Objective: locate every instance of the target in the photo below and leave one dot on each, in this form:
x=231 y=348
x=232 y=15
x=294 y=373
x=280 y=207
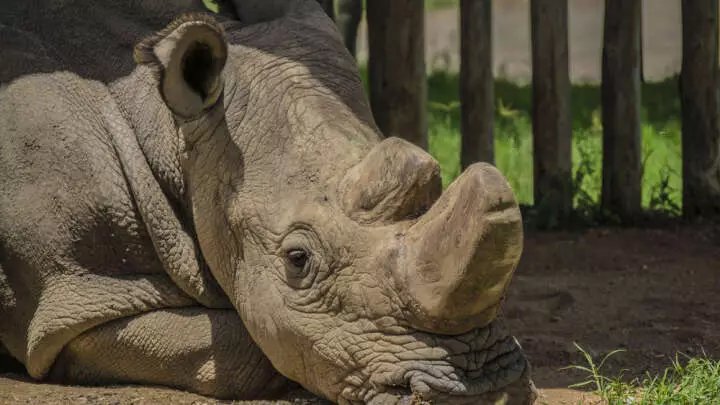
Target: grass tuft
x=697 y=381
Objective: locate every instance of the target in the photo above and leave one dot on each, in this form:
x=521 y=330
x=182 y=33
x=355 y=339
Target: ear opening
x=188 y=57
x=198 y=60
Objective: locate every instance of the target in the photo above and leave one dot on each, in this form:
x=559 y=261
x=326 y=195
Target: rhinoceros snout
x=462 y=250
x=465 y=244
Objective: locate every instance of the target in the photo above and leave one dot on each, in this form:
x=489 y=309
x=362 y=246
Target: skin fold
x=204 y=202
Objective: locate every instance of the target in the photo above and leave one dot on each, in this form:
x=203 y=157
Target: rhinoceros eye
x=301 y=253
x=298 y=258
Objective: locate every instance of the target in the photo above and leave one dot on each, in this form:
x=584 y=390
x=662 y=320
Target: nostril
x=420 y=388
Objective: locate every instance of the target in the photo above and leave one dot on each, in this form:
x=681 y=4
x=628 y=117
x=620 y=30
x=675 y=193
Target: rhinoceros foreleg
x=195 y=349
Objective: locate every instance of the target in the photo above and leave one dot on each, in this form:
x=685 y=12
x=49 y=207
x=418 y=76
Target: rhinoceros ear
x=188 y=57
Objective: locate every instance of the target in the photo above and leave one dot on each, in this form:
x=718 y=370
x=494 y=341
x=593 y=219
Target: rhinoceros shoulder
x=74 y=252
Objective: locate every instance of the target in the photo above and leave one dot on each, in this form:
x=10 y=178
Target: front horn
x=461 y=255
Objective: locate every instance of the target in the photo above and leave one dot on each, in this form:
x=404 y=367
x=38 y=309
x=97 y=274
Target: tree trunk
x=396 y=67
x=552 y=127
x=477 y=96
x=700 y=102
x=622 y=170
x=329 y=6
x=348 y=17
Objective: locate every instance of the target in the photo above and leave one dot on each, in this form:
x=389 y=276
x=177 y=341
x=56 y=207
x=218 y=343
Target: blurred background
x=655 y=187
x=661 y=35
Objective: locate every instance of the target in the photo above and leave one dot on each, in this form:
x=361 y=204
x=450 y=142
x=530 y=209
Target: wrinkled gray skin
x=236 y=170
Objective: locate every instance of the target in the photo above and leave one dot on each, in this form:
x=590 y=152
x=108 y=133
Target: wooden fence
x=398 y=95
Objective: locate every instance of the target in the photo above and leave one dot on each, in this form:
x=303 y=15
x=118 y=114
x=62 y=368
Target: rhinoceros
x=203 y=201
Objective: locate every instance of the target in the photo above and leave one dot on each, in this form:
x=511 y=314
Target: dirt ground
x=653 y=292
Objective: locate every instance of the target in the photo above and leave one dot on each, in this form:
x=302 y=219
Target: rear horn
x=395 y=181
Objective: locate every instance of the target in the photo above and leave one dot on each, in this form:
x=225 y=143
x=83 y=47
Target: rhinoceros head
x=356 y=275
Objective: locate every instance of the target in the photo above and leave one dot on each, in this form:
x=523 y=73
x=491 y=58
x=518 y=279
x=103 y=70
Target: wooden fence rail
x=396 y=68
x=699 y=100
x=621 y=108
x=477 y=95
x=551 y=116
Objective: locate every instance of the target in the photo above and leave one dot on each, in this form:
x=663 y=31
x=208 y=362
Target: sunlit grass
x=211 y=5
x=440 y=4
x=513 y=138
x=689 y=380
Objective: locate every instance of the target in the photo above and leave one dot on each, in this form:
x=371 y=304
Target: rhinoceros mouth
x=475 y=366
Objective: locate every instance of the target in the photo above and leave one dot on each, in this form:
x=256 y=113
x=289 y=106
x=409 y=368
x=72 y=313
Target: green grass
x=211 y=5
x=430 y=5
x=661 y=142
x=692 y=381
x=513 y=144
x=441 y=4
x=435 y=4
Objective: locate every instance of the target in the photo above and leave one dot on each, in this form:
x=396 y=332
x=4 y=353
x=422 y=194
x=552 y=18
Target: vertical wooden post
x=477 y=95
x=552 y=127
x=396 y=67
x=348 y=19
x=329 y=6
x=700 y=102
x=641 y=46
x=622 y=171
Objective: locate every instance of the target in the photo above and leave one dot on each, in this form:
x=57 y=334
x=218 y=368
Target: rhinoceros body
x=163 y=175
